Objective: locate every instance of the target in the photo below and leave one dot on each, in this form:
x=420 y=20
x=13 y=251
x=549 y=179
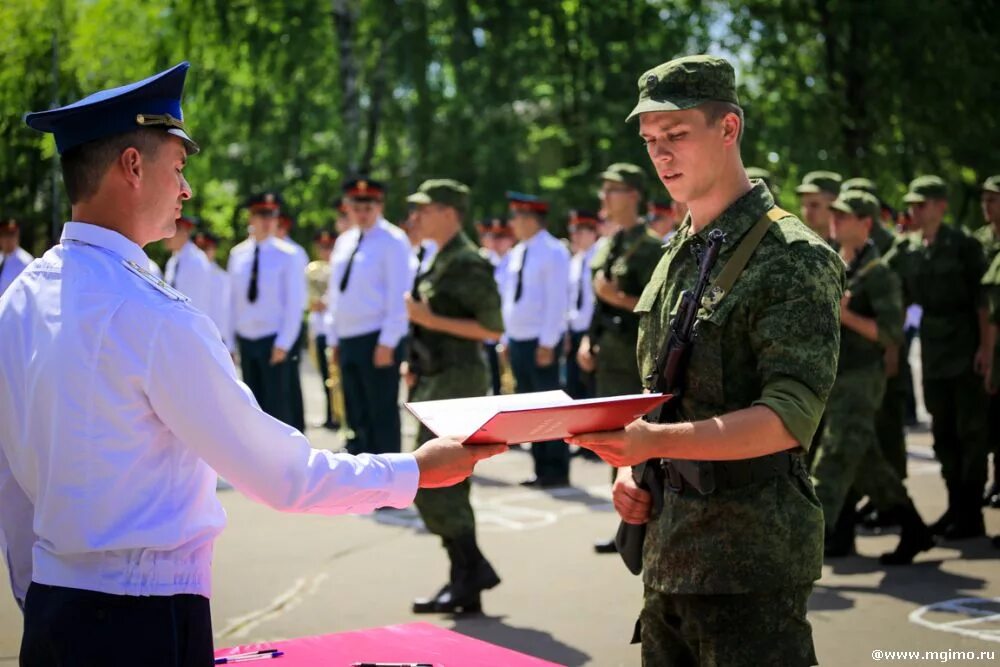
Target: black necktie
x=520 y=276
x=3 y=260
x=252 y=291
x=350 y=262
x=582 y=279
x=177 y=267
x=416 y=277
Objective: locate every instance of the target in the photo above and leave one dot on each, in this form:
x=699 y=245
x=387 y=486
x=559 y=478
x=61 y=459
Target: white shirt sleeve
x=17 y=536
x=556 y=297
x=218 y=418
x=398 y=283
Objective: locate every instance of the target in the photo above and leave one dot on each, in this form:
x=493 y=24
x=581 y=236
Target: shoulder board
x=161 y=286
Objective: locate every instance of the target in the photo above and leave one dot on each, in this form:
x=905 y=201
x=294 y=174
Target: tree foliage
x=523 y=95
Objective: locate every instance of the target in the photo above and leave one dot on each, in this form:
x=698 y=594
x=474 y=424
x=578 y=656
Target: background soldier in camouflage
x=622 y=267
x=455 y=308
x=880 y=235
x=989 y=236
x=728 y=572
x=816 y=192
x=871 y=316
x=942 y=268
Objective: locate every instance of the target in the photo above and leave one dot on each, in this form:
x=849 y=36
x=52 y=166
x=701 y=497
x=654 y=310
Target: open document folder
x=517 y=418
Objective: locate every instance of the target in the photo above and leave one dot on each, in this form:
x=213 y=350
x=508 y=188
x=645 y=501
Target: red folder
x=560 y=422
x=531 y=417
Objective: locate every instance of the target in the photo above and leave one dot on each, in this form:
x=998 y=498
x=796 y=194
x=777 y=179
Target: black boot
x=914 y=537
x=471 y=574
x=968 y=520
x=954 y=501
x=429 y=605
x=840 y=539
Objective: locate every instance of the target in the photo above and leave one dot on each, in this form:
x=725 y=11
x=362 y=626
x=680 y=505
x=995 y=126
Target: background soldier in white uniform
x=188 y=270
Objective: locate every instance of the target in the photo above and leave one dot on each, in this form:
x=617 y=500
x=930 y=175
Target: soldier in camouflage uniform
x=728 y=569
x=621 y=268
x=942 y=268
x=816 y=192
x=871 y=319
x=989 y=236
x=455 y=306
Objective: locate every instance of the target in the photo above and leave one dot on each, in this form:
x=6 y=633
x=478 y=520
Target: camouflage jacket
x=988 y=238
x=882 y=237
x=944 y=279
x=876 y=294
x=629 y=257
x=458 y=284
x=772 y=341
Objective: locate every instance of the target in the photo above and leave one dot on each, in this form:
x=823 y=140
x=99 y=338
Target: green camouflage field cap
x=631 y=175
x=992 y=184
x=858 y=202
x=924 y=188
x=820 y=181
x=684 y=83
x=860 y=183
x=444 y=191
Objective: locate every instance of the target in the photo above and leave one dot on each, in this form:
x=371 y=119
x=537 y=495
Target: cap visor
x=808 y=189
x=650 y=105
x=611 y=176
x=419 y=198
x=189 y=143
x=842 y=207
x=914 y=198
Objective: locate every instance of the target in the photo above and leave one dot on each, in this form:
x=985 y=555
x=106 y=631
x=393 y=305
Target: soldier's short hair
x=716 y=110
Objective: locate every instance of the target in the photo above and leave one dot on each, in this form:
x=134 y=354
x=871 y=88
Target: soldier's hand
x=544 y=356
x=383 y=356
x=418 y=311
x=632 y=503
x=585 y=356
x=605 y=290
x=278 y=355
x=983 y=361
x=446 y=461
x=626 y=447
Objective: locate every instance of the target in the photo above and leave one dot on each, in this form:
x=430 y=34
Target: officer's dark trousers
x=579 y=383
x=298 y=412
x=371 y=396
x=959 y=423
x=271 y=384
x=324 y=373
x=493 y=361
x=68 y=627
x=551 y=457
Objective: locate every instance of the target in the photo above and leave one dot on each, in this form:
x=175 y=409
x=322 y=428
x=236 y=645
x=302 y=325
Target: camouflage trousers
x=447 y=512
x=617 y=370
x=849 y=454
x=752 y=629
x=958 y=408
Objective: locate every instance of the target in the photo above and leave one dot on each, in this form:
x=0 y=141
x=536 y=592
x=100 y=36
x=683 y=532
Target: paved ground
x=280 y=576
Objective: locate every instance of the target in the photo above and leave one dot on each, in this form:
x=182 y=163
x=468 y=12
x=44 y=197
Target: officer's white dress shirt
x=300 y=253
x=580 y=284
x=221 y=303
x=381 y=275
x=541 y=311
x=190 y=272
x=118 y=405
x=11 y=266
x=281 y=292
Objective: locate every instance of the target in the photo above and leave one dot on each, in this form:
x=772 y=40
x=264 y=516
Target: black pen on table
x=265 y=654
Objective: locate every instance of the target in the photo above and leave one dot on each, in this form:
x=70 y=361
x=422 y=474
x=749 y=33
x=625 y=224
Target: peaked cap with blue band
x=152 y=102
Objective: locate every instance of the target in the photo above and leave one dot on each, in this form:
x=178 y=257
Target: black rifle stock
x=667 y=378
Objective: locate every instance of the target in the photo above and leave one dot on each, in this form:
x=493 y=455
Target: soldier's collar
x=739 y=217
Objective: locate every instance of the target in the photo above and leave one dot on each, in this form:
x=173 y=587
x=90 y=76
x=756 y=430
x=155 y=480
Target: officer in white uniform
x=369 y=277
x=221 y=293
x=119 y=404
x=583 y=235
x=13 y=258
x=188 y=269
x=286 y=221
x=535 y=299
x=268 y=298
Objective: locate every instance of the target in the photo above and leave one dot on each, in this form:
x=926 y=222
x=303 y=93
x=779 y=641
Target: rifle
x=668 y=375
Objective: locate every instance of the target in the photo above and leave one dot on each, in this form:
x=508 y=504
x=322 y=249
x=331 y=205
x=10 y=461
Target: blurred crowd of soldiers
x=519 y=310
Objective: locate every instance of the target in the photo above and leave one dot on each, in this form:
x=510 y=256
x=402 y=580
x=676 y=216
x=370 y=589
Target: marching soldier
x=816 y=192
x=454 y=308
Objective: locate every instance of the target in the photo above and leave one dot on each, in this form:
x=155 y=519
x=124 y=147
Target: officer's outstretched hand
x=632 y=503
x=446 y=461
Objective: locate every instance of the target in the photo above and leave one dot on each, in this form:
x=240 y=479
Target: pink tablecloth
x=411 y=642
